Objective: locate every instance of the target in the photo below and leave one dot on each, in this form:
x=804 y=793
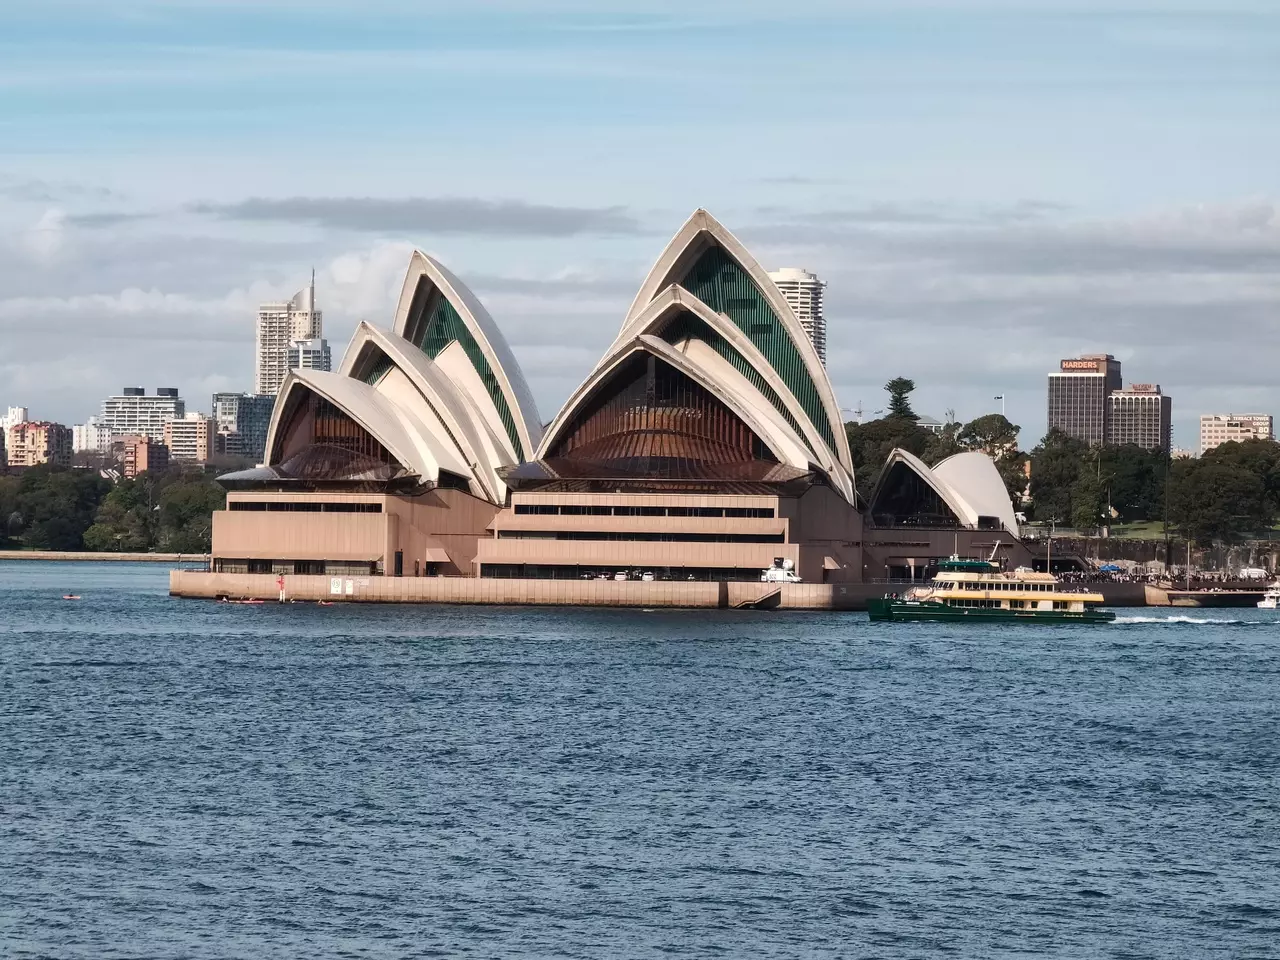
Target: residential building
x=243 y=419
x=193 y=438
x=1140 y=414
x=13 y=417
x=309 y=355
x=140 y=454
x=92 y=436
x=1216 y=428
x=932 y=424
x=1078 y=395
x=706 y=445
x=33 y=442
x=279 y=325
x=132 y=412
x=803 y=292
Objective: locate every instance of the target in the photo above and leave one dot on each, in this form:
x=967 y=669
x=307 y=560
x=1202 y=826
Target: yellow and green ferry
x=979 y=590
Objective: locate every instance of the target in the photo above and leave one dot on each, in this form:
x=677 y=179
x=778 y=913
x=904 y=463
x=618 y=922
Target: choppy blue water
x=189 y=779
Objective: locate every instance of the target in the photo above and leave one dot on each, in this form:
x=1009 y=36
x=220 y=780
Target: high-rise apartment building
x=140 y=454
x=13 y=417
x=92 y=436
x=1078 y=396
x=1141 y=415
x=1216 y=428
x=279 y=325
x=33 y=442
x=133 y=412
x=803 y=291
x=243 y=420
x=194 y=438
x=309 y=354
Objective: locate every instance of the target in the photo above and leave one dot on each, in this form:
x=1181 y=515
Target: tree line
x=61 y=508
x=1229 y=494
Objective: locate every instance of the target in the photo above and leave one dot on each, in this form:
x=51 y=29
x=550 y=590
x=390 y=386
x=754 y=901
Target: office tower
x=133 y=412
x=1140 y=414
x=280 y=324
x=1078 y=395
x=194 y=438
x=309 y=354
x=33 y=442
x=1216 y=428
x=803 y=291
x=92 y=436
x=140 y=454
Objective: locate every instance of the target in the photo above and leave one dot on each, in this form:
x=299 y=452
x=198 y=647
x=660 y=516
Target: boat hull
x=889 y=610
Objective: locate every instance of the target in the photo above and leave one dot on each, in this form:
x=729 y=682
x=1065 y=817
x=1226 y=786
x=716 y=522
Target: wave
x=1195 y=620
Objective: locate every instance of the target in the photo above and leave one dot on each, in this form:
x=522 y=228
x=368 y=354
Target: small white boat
x=1271 y=599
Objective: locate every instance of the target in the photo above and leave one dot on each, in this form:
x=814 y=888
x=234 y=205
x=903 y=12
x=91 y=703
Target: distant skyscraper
x=1216 y=428
x=133 y=412
x=1078 y=396
x=309 y=355
x=1140 y=414
x=803 y=291
x=279 y=325
x=243 y=420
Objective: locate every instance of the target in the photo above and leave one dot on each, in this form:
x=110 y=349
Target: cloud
x=106 y=218
x=45 y=238
x=445 y=215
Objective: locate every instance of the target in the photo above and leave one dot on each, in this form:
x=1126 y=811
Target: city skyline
x=970 y=231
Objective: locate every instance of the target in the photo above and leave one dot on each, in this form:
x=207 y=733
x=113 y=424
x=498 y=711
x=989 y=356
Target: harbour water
x=192 y=779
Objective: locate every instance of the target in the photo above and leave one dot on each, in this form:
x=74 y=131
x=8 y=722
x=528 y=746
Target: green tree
x=900 y=389
x=1055 y=467
x=1260 y=457
x=1217 y=502
x=1088 y=501
x=56 y=506
x=992 y=434
x=1135 y=478
x=186 y=511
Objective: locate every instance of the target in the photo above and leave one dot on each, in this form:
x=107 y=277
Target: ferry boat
x=1271 y=599
x=980 y=590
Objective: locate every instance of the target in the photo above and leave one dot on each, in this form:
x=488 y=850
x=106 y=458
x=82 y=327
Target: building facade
x=706 y=444
x=279 y=325
x=1078 y=396
x=1217 y=428
x=35 y=442
x=803 y=292
x=1141 y=414
x=310 y=355
x=192 y=439
x=132 y=412
x=243 y=420
x=13 y=416
x=92 y=436
x=140 y=454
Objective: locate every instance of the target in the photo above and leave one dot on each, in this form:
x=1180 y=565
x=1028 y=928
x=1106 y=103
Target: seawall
x=85 y=555
x=565 y=593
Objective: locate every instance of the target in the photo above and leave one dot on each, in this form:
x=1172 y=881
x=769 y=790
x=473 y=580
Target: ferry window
x=1017 y=604
x=1059 y=605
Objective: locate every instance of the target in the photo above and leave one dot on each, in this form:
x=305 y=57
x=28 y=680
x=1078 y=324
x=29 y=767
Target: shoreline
x=89 y=556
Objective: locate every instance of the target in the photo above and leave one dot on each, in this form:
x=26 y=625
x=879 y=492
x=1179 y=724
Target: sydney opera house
x=706 y=444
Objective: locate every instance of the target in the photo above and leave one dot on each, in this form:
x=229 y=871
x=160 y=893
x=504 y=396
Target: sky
x=986 y=185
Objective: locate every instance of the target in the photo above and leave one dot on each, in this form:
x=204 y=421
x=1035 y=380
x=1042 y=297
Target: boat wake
x=1195 y=620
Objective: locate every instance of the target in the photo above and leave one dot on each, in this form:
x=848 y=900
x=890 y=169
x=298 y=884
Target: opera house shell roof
x=437 y=401
x=964 y=490
x=710 y=381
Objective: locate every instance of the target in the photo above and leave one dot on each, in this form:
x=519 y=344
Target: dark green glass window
x=438 y=326
x=719 y=282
